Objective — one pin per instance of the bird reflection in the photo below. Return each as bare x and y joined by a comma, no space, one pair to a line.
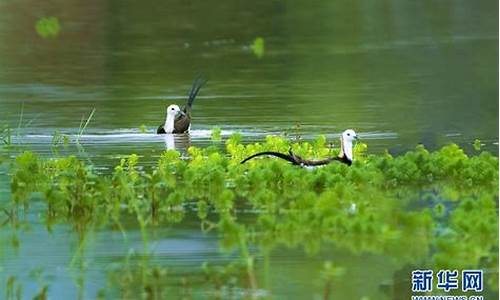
177,141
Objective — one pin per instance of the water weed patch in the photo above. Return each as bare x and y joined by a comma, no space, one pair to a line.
432,208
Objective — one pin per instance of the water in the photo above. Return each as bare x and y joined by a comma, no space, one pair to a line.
398,72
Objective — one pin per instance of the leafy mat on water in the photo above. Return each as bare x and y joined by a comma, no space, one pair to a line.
433,208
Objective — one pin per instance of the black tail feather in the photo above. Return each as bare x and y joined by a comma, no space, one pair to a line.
297,160
277,154
198,82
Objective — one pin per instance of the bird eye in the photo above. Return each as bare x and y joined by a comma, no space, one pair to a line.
348,134
172,109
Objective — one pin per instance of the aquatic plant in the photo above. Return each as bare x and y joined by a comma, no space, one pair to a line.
143,129
258,47
226,280
477,145
328,274
42,294
6,135
444,201
135,279
217,179
216,134
83,125
48,27
60,139
13,290
20,122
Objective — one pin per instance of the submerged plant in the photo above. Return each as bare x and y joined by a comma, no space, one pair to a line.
13,290
328,274
135,278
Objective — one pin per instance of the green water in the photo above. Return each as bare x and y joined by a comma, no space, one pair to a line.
398,72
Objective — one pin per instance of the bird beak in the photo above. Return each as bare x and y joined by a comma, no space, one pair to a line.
356,137
181,113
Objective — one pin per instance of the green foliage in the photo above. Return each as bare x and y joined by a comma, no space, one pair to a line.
143,129
224,277
471,236
48,27
5,135
216,134
443,201
13,290
477,145
136,279
42,294
258,47
328,274
59,139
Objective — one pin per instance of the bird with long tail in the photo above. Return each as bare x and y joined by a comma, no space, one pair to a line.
345,156
178,120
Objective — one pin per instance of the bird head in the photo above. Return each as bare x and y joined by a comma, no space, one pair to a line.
173,110
349,135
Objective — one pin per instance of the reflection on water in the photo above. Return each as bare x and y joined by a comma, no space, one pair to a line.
177,141
398,72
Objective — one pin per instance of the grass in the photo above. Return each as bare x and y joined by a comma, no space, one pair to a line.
20,120
83,125
6,135
6,131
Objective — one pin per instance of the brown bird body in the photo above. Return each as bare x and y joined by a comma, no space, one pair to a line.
178,120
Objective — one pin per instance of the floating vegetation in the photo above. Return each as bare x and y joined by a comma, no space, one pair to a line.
48,27
477,145
143,129
216,134
444,201
258,47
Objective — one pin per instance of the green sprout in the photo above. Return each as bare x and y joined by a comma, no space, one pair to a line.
216,134
477,145
143,129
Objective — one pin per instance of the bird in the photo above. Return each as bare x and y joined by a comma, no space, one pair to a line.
178,120
345,156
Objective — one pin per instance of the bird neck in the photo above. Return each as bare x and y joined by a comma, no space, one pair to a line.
346,148
169,124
